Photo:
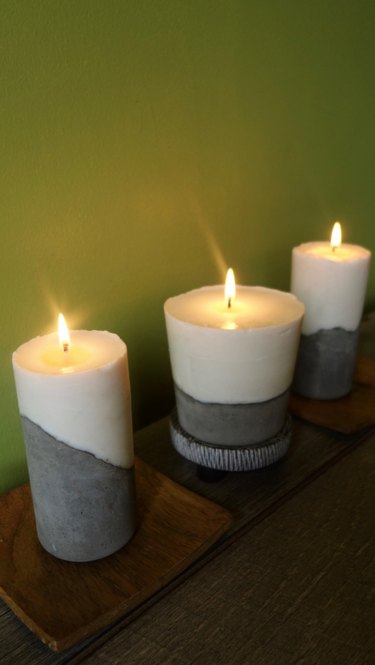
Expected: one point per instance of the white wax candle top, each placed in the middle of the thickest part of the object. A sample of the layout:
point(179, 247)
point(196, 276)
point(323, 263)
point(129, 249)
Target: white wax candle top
point(80, 396)
point(253, 307)
point(331, 284)
point(342, 254)
point(88, 350)
point(232, 355)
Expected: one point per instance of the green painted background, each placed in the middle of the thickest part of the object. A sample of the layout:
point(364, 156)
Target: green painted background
point(146, 145)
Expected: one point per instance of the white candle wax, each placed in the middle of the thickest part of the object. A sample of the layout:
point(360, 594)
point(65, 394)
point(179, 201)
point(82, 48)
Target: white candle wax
point(242, 354)
point(331, 284)
point(81, 396)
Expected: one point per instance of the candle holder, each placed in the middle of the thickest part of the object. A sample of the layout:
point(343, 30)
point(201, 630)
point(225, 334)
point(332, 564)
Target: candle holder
point(325, 364)
point(85, 508)
point(230, 458)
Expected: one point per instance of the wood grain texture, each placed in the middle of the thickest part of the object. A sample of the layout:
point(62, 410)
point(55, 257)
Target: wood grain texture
point(297, 588)
point(255, 498)
point(249, 496)
point(64, 602)
point(349, 414)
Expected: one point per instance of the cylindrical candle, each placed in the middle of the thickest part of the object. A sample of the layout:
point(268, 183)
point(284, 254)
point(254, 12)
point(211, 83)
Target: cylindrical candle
point(331, 282)
point(232, 366)
point(75, 409)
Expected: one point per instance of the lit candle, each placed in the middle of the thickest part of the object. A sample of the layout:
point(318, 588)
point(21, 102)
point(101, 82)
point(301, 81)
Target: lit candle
point(330, 278)
point(232, 360)
point(74, 400)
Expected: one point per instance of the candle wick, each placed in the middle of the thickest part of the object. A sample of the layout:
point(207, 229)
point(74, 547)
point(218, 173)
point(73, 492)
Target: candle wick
point(229, 302)
point(66, 347)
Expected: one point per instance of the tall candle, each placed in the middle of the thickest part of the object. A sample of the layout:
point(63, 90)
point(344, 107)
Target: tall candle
point(232, 365)
point(75, 406)
point(330, 278)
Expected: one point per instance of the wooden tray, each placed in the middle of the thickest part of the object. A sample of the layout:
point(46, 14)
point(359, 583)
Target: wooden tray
point(348, 414)
point(62, 602)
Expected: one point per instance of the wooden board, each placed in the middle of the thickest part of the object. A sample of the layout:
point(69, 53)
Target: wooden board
point(296, 589)
point(348, 414)
point(62, 602)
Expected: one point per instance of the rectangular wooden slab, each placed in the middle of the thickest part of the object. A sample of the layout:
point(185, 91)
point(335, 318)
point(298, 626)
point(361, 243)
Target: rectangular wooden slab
point(63, 602)
point(348, 414)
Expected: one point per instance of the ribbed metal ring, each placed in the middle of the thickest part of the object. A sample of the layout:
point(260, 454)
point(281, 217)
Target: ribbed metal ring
point(244, 458)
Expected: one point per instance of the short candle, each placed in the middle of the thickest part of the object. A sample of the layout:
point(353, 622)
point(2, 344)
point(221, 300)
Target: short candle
point(232, 365)
point(330, 278)
point(75, 406)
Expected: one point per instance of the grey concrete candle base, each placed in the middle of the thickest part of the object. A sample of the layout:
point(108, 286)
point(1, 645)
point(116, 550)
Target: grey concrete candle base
point(231, 424)
point(85, 508)
point(243, 458)
point(325, 364)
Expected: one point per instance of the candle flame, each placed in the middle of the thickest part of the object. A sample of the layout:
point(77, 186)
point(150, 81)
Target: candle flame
point(230, 287)
point(336, 236)
point(64, 338)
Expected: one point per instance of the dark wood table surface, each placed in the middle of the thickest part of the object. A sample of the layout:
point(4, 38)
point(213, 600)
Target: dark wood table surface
point(292, 582)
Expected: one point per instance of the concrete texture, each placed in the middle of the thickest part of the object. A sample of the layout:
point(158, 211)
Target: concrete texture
point(325, 364)
point(243, 458)
point(231, 425)
point(85, 508)
point(367, 335)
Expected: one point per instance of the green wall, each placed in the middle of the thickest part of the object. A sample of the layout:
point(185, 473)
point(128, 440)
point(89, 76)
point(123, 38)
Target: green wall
point(145, 145)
